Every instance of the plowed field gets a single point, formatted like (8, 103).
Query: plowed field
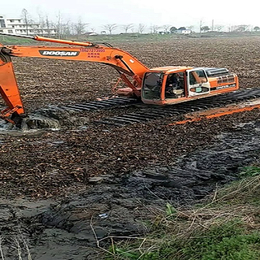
(58, 164)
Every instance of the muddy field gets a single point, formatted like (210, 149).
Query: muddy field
(62, 190)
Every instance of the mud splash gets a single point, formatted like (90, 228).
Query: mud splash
(31, 125)
(49, 118)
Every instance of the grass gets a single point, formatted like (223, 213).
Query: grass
(9, 40)
(113, 39)
(225, 226)
(125, 37)
(19, 246)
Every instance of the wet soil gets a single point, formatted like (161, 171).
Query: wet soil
(62, 190)
(70, 227)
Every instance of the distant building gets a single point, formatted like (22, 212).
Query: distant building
(90, 33)
(17, 26)
(183, 31)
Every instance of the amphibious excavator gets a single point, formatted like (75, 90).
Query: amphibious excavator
(159, 86)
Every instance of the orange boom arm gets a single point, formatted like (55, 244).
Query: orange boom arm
(122, 61)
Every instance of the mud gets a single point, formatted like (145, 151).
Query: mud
(64, 189)
(119, 206)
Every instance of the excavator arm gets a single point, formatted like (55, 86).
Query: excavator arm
(122, 61)
(9, 90)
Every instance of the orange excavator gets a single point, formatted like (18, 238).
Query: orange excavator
(159, 86)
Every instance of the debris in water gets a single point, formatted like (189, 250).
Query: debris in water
(103, 215)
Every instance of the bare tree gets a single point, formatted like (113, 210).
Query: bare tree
(127, 27)
(63, 28)
(239, 28)
(41, 22)
(141, 28)
(67, 28)
(201, 25)
(80, 27)
(26, 19)
(110, 27)
(219, 27)
(48, 24)
(166, 27)
(59, 25)
(154, 28)
(191, 27)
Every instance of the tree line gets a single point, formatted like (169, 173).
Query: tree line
(66, 28)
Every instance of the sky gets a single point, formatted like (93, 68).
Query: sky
(149, 12)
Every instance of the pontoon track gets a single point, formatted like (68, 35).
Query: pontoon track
(148, 113)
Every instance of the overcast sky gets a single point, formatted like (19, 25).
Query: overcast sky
(176, 13)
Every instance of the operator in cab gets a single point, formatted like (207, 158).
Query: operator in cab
(173, 83)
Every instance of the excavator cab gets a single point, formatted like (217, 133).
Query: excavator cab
(172, 85)
(165, 86)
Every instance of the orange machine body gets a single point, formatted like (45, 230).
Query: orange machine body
(192, 83)
(152, 85)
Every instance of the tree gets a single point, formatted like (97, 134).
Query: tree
(67, 29)
(59, 25)
(48, 24)
(110, 27)
(240, 28)
(63, 28)
(256, 28)
(173, 29)
(201, 25)
(127, 27)
(166, 27)
(191, 27)
(141, 28)
(41, 22)
(79, 27)
(154, 28)
(205, 28)
(182, 28)
(26, 19)
(219, 27)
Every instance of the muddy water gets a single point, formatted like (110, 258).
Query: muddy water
(49, 118)
(110, 206)
(32, 124)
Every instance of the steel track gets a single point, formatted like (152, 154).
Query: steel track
(103, 104)
(147, 113)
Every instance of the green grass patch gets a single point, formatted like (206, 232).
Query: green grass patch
(9, 40)
(250, 171)
(225, 226)
(113, 39)
(230, 240)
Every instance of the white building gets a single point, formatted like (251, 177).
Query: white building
(184, 31)
(17, 26)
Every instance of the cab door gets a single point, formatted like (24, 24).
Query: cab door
(197, 82)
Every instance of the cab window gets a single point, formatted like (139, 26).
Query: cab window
(197, 77)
